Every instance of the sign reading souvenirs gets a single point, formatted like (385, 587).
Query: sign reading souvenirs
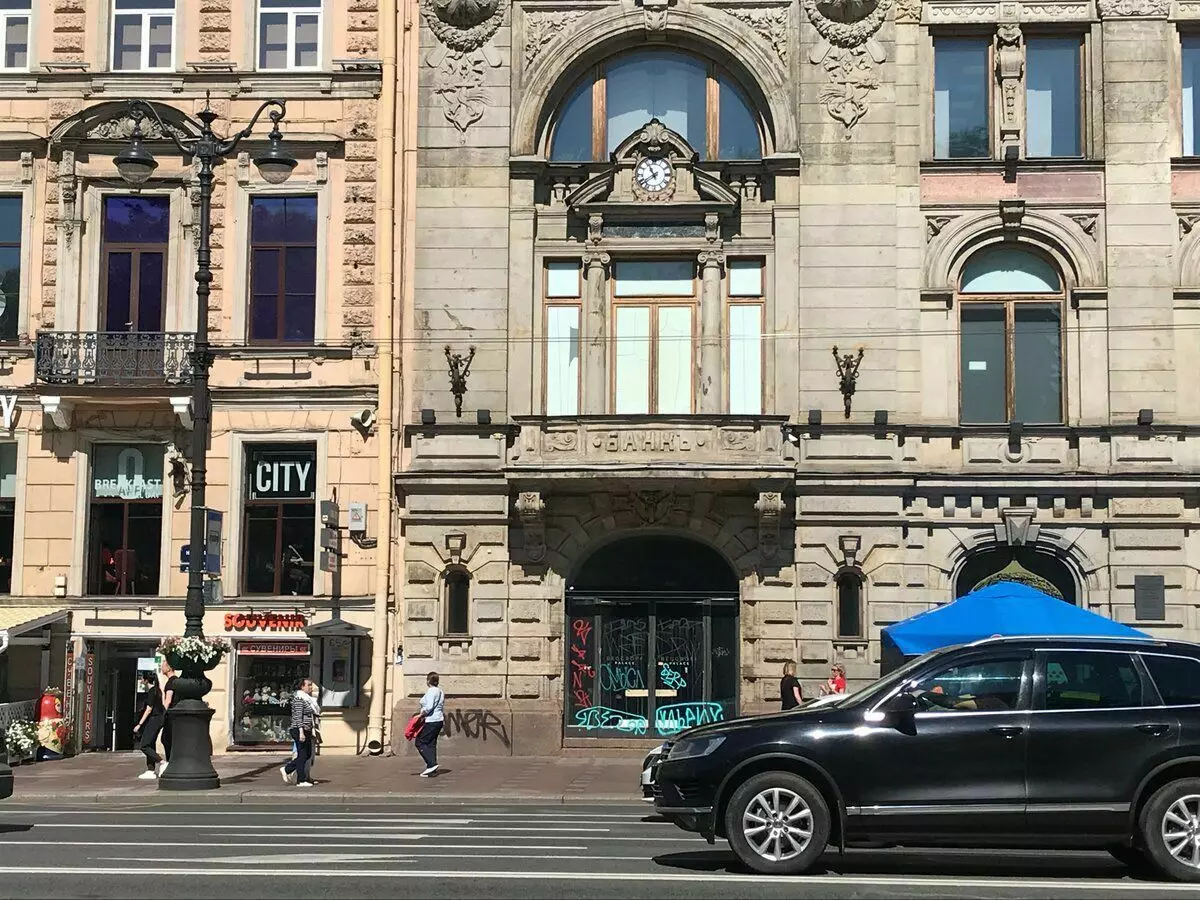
(273, 648)
(273, 474)
(266, 621)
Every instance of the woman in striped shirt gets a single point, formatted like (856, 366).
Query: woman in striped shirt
(306, 720)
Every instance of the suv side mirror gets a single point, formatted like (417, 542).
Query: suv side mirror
(904, 705)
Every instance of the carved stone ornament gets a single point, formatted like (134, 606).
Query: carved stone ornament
(655, 12)
(1012, 213)
(1018, 529)
(1086, 223)
(935, 224)
(1010, 71)
(769, 507)
(463, 28)
(770, 22)
(1188, 222)
(1114, 9)
(531, 510)
(121, 127)
(541, 28)
(652, 507)
(908, 12)
(849, 54)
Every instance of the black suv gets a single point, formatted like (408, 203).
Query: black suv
(1008, 742)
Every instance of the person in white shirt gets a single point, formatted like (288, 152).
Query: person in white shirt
(432, 706)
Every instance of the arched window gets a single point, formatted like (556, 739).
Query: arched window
(688, 94)
(849, 605)
(1011, 309)
(457, 597)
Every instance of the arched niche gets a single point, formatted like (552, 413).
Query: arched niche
(110, 123)
(704, 30)
(655, 562)
(1040, 562)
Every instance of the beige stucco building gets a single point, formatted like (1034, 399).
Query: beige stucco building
(98, 324)
(789, 320)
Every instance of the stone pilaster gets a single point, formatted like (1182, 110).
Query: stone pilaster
(595, 331)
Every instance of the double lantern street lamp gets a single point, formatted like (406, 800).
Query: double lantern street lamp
(190, 765)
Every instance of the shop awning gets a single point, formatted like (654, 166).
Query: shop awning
(17, 620)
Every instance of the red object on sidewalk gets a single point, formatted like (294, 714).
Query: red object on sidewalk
(413, 728)
(50, 706)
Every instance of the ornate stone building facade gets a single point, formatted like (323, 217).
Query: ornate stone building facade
(778, 322)
(97, 326)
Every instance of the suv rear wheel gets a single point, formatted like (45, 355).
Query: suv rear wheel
(777, 823)
(1170, 827)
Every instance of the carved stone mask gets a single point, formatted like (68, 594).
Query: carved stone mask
(465, 13)
(847, 11)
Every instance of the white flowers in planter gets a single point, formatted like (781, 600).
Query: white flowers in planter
(21, 739)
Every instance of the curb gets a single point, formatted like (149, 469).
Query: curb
(123, 798)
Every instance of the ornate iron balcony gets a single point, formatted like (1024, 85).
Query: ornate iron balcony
(139, 358)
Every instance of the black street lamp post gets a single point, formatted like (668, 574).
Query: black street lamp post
(191, 765)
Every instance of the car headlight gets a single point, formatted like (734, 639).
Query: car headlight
(694, 748)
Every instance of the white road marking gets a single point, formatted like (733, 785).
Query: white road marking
(1046, 886)
(284, 811)
(357, 845)
(383, 829)
(285, 859)
(352, 857)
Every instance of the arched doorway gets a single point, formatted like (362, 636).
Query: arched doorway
(652, 634)
(1021, 564)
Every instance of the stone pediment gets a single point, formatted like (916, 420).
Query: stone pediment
(654, 169)
(689, 442)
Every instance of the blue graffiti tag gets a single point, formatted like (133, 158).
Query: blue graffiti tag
(677, 717)
(671, 678)
(621, 678)
(595, 717)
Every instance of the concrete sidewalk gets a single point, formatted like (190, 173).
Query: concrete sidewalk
(111, 778)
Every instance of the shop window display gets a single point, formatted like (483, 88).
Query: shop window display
(266, 679)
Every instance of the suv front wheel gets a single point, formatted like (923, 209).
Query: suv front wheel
(777, 823)
(1170, 827)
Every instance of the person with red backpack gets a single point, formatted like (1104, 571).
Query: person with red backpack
(427, 724)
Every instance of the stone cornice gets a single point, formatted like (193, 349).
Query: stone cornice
(977, 12)
(101, 85)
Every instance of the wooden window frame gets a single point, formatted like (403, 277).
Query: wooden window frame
(759, 300)
(991, 85)
(654, 302)
(281, 296)
(18, 245)
(549, 305)
(278, 504)
(1081, 85)
(1010, 302)
(135, 251)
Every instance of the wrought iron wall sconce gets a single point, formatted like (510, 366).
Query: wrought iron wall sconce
(847, 370)
(460, 368)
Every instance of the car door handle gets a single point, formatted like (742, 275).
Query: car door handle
(1008, 732)
(1156, 729)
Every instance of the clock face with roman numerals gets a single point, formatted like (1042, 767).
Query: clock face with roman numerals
(653, 174)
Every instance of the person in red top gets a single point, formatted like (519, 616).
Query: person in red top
(837, 681)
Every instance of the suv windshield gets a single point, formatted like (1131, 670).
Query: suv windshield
(894, 678)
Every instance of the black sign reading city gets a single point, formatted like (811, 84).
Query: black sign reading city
(275, 474)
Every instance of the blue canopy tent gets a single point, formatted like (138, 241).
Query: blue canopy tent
(1006, 608)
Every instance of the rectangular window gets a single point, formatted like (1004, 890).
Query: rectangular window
(633, 360)
(11, 226)
(143, 35)
(1091, 680)
(1052, 96)
(135, 241)
(1191, 93)
(674, 368)
(983, 364)
(289, 34)
(654, 278)
(280, 519)
(961, 91)
(8, 513)
(1037, 363)
(745, 359)
(283, 269)
(562, 361)
(563, 279)
(14, 28)
(125, 519)
(745, 278)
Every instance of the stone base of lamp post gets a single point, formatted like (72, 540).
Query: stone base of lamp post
(189, 718)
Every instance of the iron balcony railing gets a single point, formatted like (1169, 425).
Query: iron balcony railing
(115, 357)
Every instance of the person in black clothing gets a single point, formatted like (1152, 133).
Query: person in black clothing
(306, 724)
(168, 700)
(149, 725)
(790, 694)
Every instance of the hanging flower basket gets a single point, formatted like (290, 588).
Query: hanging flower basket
(204, 653)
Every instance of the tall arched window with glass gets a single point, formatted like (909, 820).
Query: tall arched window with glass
(688, 94)
(1011, 339)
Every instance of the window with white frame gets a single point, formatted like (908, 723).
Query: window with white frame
(143, 35)
(654, 314)
(564, 288)
(1190, 58)
(745, 337)
(14, 30)
(289, 34)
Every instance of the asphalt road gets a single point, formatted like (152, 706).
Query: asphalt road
(494, 851)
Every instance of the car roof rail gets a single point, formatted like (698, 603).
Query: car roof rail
(1104, 638)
